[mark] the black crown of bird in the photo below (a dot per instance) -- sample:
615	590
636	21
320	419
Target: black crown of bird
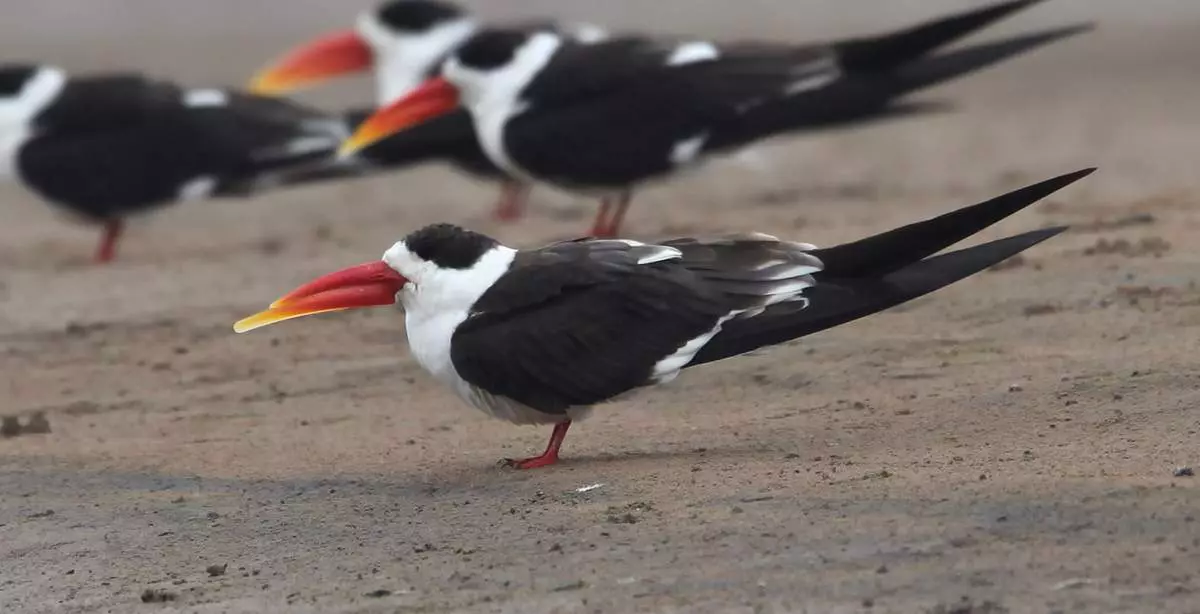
541	336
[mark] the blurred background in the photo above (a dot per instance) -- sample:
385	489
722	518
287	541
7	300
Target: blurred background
1139	64
1121	97
214	39
1067	380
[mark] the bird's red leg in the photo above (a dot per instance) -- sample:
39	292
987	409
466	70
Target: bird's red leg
550	456
612	213
511	205
108	241
618	217
600	226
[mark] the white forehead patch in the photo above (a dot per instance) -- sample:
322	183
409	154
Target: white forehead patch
435	290
693	52
205	98
401	259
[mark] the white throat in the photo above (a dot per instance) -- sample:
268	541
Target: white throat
495	96
17	114
437	300
403	61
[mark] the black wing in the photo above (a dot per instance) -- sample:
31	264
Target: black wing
621	111
112	145
612	112
578	323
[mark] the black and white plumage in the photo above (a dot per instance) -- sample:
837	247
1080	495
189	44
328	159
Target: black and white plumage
108	146
403	43
543	335
605	117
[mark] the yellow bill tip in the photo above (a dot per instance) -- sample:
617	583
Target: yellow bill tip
258	320
266	84
274	316
352	146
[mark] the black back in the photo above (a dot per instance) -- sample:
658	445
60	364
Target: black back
580	322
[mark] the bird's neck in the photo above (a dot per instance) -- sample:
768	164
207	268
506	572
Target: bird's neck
12	138
395	82
405	63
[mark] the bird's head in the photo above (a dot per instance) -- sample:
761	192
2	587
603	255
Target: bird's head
488	74
26	90
401	40
437	269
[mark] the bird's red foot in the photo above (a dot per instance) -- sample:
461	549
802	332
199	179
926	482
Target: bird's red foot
536	462
108	242
549	457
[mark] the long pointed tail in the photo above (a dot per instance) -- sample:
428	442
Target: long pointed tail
929	71
889	51
895	249
880	272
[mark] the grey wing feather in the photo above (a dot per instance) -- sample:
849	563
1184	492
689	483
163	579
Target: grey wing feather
756	270
751	265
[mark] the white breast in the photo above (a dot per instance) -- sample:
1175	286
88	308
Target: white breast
489	127
429	338
435	304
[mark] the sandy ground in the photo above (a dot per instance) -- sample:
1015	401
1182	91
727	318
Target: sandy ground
1005	445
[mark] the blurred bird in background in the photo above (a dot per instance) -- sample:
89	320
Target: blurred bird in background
107	146
604	117
403	43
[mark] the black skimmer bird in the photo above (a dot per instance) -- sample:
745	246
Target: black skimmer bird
605	117
108	146
541	336
404	42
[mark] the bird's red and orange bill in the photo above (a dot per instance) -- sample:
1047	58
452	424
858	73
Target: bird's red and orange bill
333	55
432	99
373	284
